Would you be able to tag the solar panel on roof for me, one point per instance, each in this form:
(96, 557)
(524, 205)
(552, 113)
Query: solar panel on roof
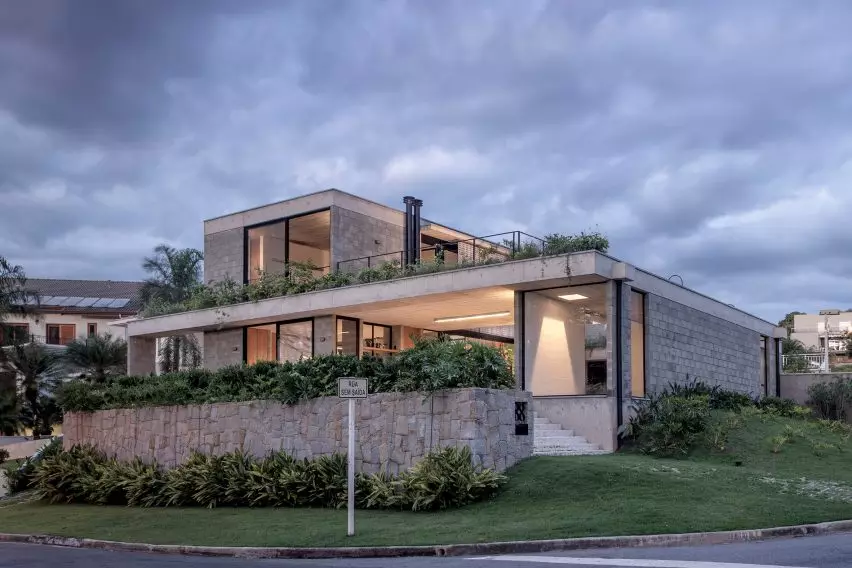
(102, 302)
(46, 300)
(118, 303)
(71, 301)
(54, 300)
(87, 302)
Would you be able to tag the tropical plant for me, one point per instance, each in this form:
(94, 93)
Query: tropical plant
(4, 455)
(670, 425)
(39, 373)
(175, 274)
(98, 355)
(20, 477)
(445, 478)
(10, 413)
(831, 400)
(15, 298)
(433, 364)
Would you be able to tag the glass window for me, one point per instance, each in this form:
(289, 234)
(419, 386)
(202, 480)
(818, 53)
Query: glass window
(92, 329)
(295, 340)
(14, 333)
(267, 250)
(637, 343)
(377, 339)
(260, 343)
(347, 336)
(565, 340)
(310, 240)
(61, 334)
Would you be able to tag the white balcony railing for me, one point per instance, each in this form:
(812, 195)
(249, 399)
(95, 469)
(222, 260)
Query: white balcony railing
(804, 363)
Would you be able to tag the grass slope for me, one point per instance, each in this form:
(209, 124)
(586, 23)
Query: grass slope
(545, 498)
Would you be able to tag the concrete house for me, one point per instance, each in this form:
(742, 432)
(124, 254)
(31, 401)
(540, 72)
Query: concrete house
(587, 332)
(811, 330)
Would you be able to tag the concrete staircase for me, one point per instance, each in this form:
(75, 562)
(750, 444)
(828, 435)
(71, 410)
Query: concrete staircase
(551, 439)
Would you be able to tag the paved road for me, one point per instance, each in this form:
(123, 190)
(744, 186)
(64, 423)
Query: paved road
(813, 552)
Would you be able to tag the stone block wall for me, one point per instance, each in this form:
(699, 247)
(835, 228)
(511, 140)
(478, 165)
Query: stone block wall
(354, 235)
(224, 255)
(394, 430)
(680, 340)
(223, 348)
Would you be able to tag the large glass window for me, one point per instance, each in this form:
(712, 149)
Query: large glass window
(260, 343)
(347, 336)
(637, 343)
(295, 340)
(303, 239)
(61, 334)
(565, 340)
(377, 339)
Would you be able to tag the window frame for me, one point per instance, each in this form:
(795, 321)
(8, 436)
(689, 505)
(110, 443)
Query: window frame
(644, 323)
(59, 327)
(374, 350)
(286, 220)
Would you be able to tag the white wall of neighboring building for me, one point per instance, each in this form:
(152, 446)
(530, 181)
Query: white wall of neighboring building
(38, 323)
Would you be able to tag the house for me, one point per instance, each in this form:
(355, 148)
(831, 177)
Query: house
(587, 332)
(69, 309)
(810, 329)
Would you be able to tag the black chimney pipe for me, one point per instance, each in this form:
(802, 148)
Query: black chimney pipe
(415, 230)
(407, 224)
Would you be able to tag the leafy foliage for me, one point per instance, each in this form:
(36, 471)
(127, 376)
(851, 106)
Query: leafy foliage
(161, 297)
(432, 364)
(38, 370)
(10, 413)
(4, 455)
(98, 355)
(717, 397)
(20, 477)
(832, 400)
(15, 298)
(445, 478)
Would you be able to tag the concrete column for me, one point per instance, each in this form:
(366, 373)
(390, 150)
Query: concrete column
(520, 363)
(325, 335)
(141, 355)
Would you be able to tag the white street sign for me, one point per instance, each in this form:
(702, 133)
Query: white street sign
(350, 387)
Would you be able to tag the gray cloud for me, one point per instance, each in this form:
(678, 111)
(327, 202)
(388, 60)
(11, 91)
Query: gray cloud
(707, 139)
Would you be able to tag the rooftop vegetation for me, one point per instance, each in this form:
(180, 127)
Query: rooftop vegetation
(303, 277)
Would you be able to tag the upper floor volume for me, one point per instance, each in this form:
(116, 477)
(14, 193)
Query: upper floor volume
(335, 231)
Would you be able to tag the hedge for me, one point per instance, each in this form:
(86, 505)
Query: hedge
(432, 364)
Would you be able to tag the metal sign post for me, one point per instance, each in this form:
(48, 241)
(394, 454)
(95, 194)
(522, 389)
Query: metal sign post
(351, 388)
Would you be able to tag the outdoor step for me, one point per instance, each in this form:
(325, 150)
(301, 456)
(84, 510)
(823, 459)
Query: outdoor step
(566, 439)
(551, 429)
(597, 452)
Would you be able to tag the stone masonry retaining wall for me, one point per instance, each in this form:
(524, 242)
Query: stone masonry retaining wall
(394, 430)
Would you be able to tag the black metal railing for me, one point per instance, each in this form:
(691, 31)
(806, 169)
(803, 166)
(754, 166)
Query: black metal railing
(474, 251)
(522, 428)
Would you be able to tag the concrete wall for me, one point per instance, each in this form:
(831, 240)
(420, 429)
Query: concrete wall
(223, 348)
(592, 417)
(795, 386)
(224, 255)
(681, 341)
(354, 235)
(394, 429)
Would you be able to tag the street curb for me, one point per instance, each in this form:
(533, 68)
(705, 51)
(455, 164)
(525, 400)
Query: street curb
(482, 549)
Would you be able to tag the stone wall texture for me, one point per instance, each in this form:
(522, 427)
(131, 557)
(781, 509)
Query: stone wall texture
(394, 430)
(222, 348)
(224, 255)
(681, 341)
(354, 235)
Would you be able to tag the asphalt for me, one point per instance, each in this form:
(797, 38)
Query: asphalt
(834, 551)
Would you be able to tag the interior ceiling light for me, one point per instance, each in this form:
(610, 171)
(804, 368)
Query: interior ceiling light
(572, 297)
(472, 317)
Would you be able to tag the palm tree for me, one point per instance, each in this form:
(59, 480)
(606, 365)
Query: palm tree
(15, 298)
(10, 414)
(38, 373)
(98, 355)
(174, 274)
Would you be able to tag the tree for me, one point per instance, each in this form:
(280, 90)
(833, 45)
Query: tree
(38, 373)
(174, 275)
(792, 347)
(98, 355)
(788, 321)
(10, 414)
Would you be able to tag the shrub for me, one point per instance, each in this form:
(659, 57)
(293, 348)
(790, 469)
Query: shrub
(673, 425)
(444, 478)
(432, 364)
(783, 407)
(718, 398)
(4, 455)
(20, 478)
(831, 401)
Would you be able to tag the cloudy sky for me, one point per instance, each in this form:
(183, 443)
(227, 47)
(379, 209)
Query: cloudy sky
(708, 139)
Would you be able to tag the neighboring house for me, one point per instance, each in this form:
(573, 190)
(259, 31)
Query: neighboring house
(70, 309)
(586, 331)
(810, 330)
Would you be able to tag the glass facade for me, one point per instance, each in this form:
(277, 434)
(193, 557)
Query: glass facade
(637, 343)
(303, 239)
(295, 340)
(260, 344)
(565, 343)
(347, 336)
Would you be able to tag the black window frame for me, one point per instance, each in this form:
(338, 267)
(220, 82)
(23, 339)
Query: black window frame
(374, 325)
(286, 221)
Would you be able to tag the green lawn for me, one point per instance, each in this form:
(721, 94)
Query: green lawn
(545, 498)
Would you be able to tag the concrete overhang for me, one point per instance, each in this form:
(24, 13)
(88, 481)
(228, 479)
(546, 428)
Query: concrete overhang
(530, 274)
